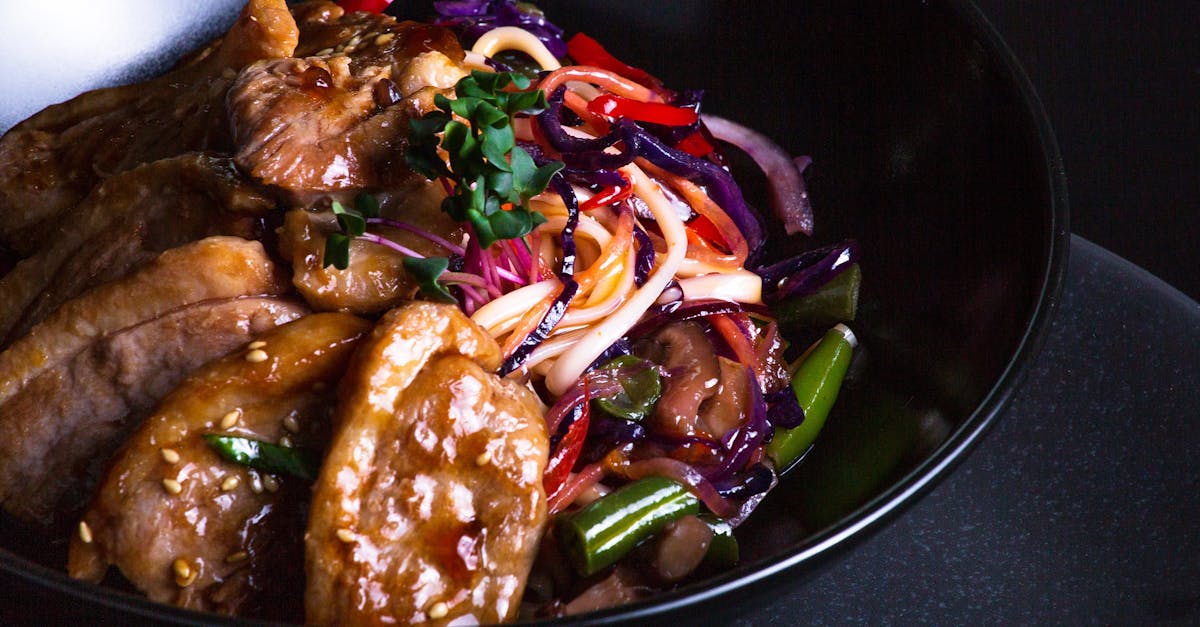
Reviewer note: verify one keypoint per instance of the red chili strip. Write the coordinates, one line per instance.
(567, 452)
(653, 112)
(608, 196)
(695, 145)
(587, 51)
(370, 6)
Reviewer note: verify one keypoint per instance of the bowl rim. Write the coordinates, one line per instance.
(853, 527)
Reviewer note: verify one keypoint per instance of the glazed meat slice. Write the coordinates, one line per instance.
(338, 120)
(375, 280)
(75, 385)
(429, 506)
(240, 543)
(51, 161)
(126, 222)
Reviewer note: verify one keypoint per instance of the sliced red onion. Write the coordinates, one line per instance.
(807, 272)
(784, 175)
(659, 315)
(742, 442)
(686, 475)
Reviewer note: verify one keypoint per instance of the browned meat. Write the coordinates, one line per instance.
(84, 376)
(375, 280)
(430, 505)
(49, 162)
(338, 120)
(126, 222)
(243, 543)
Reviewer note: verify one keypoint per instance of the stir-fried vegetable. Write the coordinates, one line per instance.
(816, 383)
(601, 533)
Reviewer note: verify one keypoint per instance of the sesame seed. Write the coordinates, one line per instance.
(438, 610)
(230, 419)
(345, 535)
(230, 484)
(355, 40)
(349, 49)
(270, 483)
(185, 575)
(256, 356)
(291, 424)
(285, 442)
(484, 458)
(85, 532)
(172, 486)
(256, 344)
(256, 484)
(325, 52)
(384, 38)
(237, 558)
(170, 455)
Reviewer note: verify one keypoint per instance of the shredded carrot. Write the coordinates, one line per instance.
(610, 81)
(530, 321)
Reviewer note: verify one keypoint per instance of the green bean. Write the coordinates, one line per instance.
(723, 549)
(836, 301)
(816, 384)
(606, 529)
(266, 457)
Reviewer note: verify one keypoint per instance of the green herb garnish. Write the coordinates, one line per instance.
(270, 458)
(493, 177)
(353, 223)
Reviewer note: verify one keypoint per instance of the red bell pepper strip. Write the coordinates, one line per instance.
(567, 453)
(695, 145)
(587, 51)
(370, 6)
(608, 196)
(653, 112)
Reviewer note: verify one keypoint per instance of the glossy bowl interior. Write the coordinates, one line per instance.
(929, 147)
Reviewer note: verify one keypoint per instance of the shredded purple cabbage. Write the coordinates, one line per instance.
(717, 181)
(563, 188)
(644, 261)
(783, 409)
(555, 314)
(807, 272)
(472, 18)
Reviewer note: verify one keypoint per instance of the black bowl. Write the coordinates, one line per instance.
(929, 147)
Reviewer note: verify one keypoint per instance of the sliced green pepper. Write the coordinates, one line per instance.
(816, 384)
(270, 458)
(638, 393)
(836, 301)
(603, 532)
